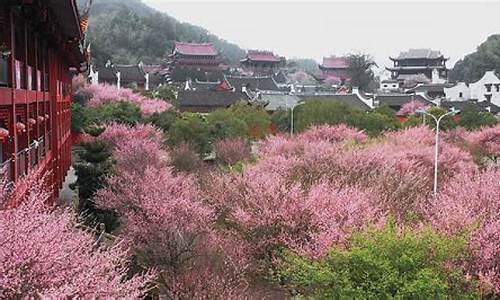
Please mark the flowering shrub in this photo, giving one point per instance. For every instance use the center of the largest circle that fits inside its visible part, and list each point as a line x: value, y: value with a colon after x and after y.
x: 411, y: 108
x: 135, y: 148
x: 232, y: 150
x: 171, y: 230
x: 104, y: 93
x: 333, y: 134
x: 486, y: 142
x: 183, y: 159
x: 43, y: 255
x: 471, y: 203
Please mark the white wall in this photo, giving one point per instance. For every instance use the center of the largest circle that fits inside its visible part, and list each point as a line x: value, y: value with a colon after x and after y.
x: 459, y: 92
x: 389, y: 86
x: 479, y: 91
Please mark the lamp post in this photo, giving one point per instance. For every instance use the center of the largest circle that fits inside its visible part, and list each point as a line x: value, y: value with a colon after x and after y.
x: 436, y: 146
x: 291, y: 115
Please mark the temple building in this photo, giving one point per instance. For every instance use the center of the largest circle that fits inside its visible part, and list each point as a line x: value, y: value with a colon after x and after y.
x: 138, y: 76
x: 261, y: 62
x: 335, y: 70
x: 41, y: 46
x: 197, y: 56
x: 419, y: 65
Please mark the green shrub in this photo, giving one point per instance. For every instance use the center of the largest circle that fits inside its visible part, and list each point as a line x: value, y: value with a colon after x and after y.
x: 163, y: 120
x: 79, y: 117
x: 225, y: 124
x: 333, y: 113
x: 120, y: 112
x: 471, y: 118
x: 255, y: 117
x: 384, y: 264
x: 191, y: 129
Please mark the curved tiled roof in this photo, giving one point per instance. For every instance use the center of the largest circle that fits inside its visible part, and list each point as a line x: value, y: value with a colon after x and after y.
x: 265, y: 83
x: 334, y: 62
x: 419, y: 54
x: 400, y: 99
x: 213, y: 99
x: 130, y: 73
x: 352, y: 100
x: 201, y: 49
x: 482, y: 106
x: 259, y: 55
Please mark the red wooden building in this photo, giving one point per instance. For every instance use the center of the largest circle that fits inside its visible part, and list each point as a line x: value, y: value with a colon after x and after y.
x: 198, y: 56
x: 40, y: 47
x: 261, y: 62
x: 335, y: 70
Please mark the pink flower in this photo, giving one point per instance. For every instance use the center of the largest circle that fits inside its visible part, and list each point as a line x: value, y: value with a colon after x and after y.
x: 411, y: 108
x: 43, y: 254
x: 105, y: 93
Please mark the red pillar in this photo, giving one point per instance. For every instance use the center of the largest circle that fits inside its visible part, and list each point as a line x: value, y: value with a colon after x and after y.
x: 13, y: 88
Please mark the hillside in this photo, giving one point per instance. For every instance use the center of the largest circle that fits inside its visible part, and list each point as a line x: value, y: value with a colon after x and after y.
x: 130, y: 31
x: 473, y: 66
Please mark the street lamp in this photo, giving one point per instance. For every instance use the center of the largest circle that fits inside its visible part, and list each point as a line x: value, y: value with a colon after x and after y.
x: 291, y: 115
x: 436, y: 149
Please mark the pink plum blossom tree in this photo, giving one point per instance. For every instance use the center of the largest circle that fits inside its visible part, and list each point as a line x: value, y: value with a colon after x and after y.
x: 42, y: 254
x: 171, y: 230
x: 486, y: 142
x: 470, y: 205
x: 411, y: 107
x: 105, y: 93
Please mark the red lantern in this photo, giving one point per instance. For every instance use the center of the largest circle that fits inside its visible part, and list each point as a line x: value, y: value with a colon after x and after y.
x: 20, y: 127
x: 46, y: 117
x: 4, y: 133
x: 40, y: 119
x: 31, y: 122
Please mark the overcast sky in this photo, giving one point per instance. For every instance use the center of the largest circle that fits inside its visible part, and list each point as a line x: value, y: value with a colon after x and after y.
x: 317, y: 29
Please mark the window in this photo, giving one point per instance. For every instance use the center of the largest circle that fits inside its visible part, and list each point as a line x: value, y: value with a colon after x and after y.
x: 460, y: 95
x: 488, y: 98
x: 488, y: 87
x: 385, y: 85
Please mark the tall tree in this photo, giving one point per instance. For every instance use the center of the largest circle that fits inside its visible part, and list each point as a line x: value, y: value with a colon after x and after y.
x: 362, y: 75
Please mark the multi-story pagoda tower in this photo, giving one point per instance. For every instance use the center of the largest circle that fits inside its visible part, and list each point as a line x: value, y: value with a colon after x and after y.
x: 417, y: 62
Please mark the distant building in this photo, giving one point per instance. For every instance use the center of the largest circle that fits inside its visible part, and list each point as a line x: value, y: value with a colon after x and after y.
x: 486, y: 88
x: 389, y: 85
x: 274, y: 102
x: 262, y: 84
x: 126, y: 76
x: 205, y: 101
x: 482, y: 106
x: 196, y: 56
x: 431, y: 90
x: 354, y: 99
x: 261, y: 62
x: 335, y: 70
x: 396, y: 101
x: 419, y: 65
x: 458, y: 92
x: 132, y: 76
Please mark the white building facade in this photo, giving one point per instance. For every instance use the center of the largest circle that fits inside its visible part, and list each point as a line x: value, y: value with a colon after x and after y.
x: 486, y: 88
x: 458, y: 92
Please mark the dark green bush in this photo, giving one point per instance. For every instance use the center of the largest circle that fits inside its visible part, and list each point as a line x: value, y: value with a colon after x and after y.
x: 384, y: 264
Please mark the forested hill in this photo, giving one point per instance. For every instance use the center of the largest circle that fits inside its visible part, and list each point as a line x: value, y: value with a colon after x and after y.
x: 130, y: 31
x: 473, y: 66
